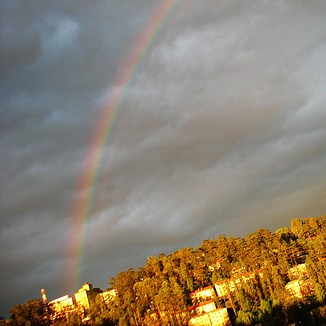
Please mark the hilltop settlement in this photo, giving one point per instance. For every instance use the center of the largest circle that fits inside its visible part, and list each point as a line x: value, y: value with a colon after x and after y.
x: 266, y: 278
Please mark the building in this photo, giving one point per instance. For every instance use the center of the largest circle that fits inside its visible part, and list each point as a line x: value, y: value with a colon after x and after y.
x: 202, y: 295
x: 108, y: 295
x: 200, y: 320
x: 84, y: 296
x: 300, y: 285
x: 300, y: 288
x: 220, y: 317
x: 298, y: 272
x: 205, y: 307
x: 217, y: 317
x: 225, y: 287
x: 63, y: 305
x: 81, y: 301
x: 44, y: 297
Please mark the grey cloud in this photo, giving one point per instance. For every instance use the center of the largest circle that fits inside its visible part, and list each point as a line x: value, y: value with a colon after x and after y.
x: 220, y: 130
x: 60, y: 37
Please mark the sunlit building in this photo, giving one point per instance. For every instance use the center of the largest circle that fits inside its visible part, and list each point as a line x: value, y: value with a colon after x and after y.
x: 298, y: 272
x: 84, y: 296
x: 225, y: 287
x: 108, y: 295
x: 203, y: 294
x: 200, y: 320
x: 206, y: 306
x: 300, y: 285
x: 300, y: 288
x: 80, y: 302
x: 217, y: 317
x: 44, y: 297
x: 62, y: 305
x: 220, y: 317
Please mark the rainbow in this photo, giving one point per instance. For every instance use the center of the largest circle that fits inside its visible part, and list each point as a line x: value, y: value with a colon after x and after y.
x: 103, y: 132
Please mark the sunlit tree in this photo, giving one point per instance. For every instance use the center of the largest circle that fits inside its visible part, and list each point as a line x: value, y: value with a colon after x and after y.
x: 32, y: 313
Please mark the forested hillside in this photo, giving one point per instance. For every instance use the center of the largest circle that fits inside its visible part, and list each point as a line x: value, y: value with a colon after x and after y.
x: 166, y: 281
x: 268, y: 278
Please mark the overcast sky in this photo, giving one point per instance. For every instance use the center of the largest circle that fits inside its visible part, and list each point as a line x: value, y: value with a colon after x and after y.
x: 221, y: 130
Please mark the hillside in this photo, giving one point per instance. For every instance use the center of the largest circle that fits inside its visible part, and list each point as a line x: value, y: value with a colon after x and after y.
x: 266, y: 278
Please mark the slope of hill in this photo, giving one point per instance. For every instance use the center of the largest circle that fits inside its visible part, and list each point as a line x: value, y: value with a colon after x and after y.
x: 266, y: 278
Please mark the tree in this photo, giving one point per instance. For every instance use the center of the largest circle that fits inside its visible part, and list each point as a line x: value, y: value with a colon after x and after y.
x: 32, y: 313
x: 297, y: 227
x: 127, y: 311
x: 74, y: 319
x: 285, y: 234
x: 99, y: 312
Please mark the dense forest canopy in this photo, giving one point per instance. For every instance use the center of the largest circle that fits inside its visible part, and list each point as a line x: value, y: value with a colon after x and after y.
x: 259, y: 265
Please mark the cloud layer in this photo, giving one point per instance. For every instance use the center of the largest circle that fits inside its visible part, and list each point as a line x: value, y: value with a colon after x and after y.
x: 221, y: 130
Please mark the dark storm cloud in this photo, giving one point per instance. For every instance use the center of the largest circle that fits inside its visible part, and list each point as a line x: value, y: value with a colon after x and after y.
x: 221, y: 130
